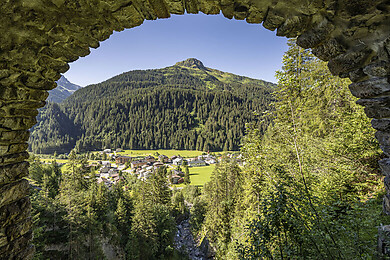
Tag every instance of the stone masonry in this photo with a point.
(39, 38)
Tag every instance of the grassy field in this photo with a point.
(169, 153)
(57, 160)
(199, 175)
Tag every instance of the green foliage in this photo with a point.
(305, 177)
(170, 108)
(222, 194)
(153, 226)
(187, 179)
(191, 192)
(310, 187)
(198, 213)
(179, 208)
(160, 189)
(77, 217)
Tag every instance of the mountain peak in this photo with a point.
(63, 90)
(191, 63)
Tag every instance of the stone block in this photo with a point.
(18, 229)
(191, 6)
(376, 107)
(15, 212)
(15, 112)
(4, 149)
(159, 8)
(56, 64)
(209, 6)
(349, 61)
(175, 6)
(13, 158)
(4, 73)
(384, 241)
(228, 10)
(13, 192)
(16, 247)
(291, 26)
(240, 11)
(383, 137)
(14, 136)
(255, 15)
(381, 124)
(27, 253)
(12, 148)
(42, 85)
(273, 20)
(385, 149)
(386, 204)
(17, 123)
(129, 17)
(17, 148)
(384, 164)
(3, 237)
(386, 182)
(329, 49)
(357, 75)
(370, 88)
(12, 172)
(315, 36)
(378, 69)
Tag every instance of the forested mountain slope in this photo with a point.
(185, 106)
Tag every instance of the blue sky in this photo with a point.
(228, 45)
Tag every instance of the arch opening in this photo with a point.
(41, 37)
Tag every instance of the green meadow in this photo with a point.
(169, 153)
(199, 175)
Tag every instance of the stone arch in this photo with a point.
(40, 37)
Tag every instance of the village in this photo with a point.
(110, 166)
(109, 172)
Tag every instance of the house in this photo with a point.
(196, 163)
(163, 158)
(123, 159)
(94, 164)
(206, 157)
(143, 174)
(177, 172)
(117, 179)
(177, 161)
(158, 164)
(105, 163)
(176, 179)
(211, 161)
(114, 175)
(149, 168)
(112, 171)
(136, 164)
(150, 159)
(104, 171)
(105, 181)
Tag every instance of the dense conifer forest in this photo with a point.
(186, 106)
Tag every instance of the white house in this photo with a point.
(196, 163)
(177, 161)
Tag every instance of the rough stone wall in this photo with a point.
(39, 38)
